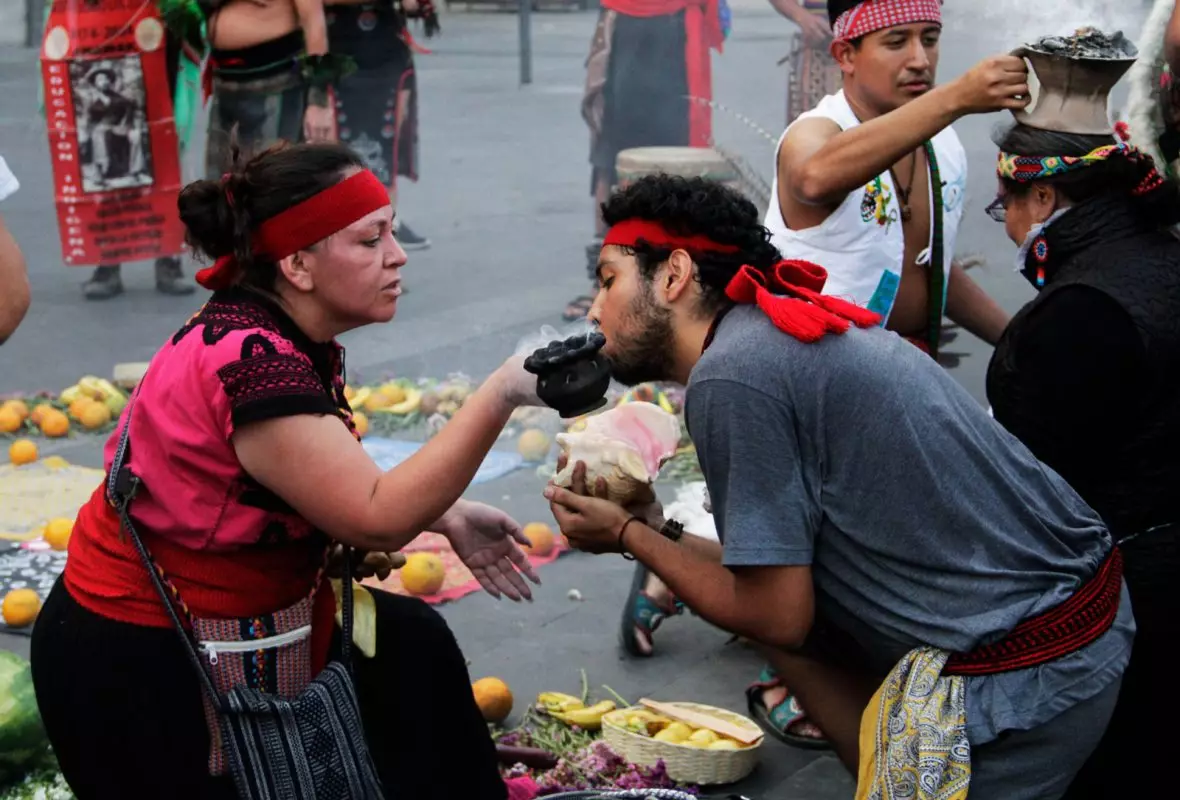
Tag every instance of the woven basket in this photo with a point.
(685, 764)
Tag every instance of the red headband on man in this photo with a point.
(789, 292)
(878, 15)
(304, 224)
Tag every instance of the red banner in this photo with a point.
(112, 138)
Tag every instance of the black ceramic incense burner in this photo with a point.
(572, 376)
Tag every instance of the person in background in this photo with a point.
(14, 273)
(814, 74)
(107, 279)
(270, 77)
(1087, 375)
(649, 82)
(377, 106)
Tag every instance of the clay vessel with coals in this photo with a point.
(572, 376)
(1076, 75)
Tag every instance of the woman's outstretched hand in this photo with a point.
(517, 387)
(486, 540)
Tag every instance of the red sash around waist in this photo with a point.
(1069, 627)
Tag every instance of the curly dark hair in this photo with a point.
(695, 207)
(1119, 175)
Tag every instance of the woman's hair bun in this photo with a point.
(208, 218)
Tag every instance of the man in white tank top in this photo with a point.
(853, 177)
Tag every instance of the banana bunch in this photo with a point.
(572, 711)
(391, 397)
(98, 389)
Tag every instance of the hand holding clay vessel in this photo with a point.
(572, 376)
(625, 446)
(1076, 75)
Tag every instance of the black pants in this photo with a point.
(645, 98)
(122, 708)
(1134, 758)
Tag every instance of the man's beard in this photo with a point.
(644, 352)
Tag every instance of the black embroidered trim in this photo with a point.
(272, 386)
(220, 318)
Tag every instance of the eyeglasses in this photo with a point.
(998, 209)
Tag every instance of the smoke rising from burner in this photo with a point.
(1020, 21)
(547, 334)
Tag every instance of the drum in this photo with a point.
(687, 162)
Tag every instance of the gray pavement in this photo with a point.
(504, 196)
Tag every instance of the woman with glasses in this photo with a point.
(1087, 375)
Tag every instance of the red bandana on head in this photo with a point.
(304, 224)
(789, 292)
(877, 15)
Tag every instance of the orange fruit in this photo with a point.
(493, 697)
(57, 533)
(361, 422)
(533, 445)
(541, 539)
(38, 413)
(349, 393)
(94, 416)
(22, 451)
(423, 573)
(19, 407)
(79, 406)
(54, 424)
(20, 607)
(10, 419)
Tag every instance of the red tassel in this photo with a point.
(791, 298)
(800, 319)
(858, 316)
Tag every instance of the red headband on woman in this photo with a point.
(789, 292)
(304, 224)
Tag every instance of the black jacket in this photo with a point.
(1087, 375)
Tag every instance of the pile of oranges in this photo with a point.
(51, 421)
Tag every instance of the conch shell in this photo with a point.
(626, 446)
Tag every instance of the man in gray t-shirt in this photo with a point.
(856, 488)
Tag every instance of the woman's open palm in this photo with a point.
(486, 540)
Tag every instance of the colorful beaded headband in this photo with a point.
(1024, 169)
(1032, 168)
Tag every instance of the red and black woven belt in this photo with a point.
(1062, 630)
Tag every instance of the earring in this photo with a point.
(1040, 251)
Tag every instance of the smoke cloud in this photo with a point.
(1025, 21)
(547, 334)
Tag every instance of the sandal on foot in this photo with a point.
(643, 613)
(787, 721)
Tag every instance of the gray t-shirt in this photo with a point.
(923, 520)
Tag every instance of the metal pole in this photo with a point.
(34, 21)
(526, 41)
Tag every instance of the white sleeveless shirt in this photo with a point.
(861, 243)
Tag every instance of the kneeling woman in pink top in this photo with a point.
(250, 467)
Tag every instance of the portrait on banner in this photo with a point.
(110, 104)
